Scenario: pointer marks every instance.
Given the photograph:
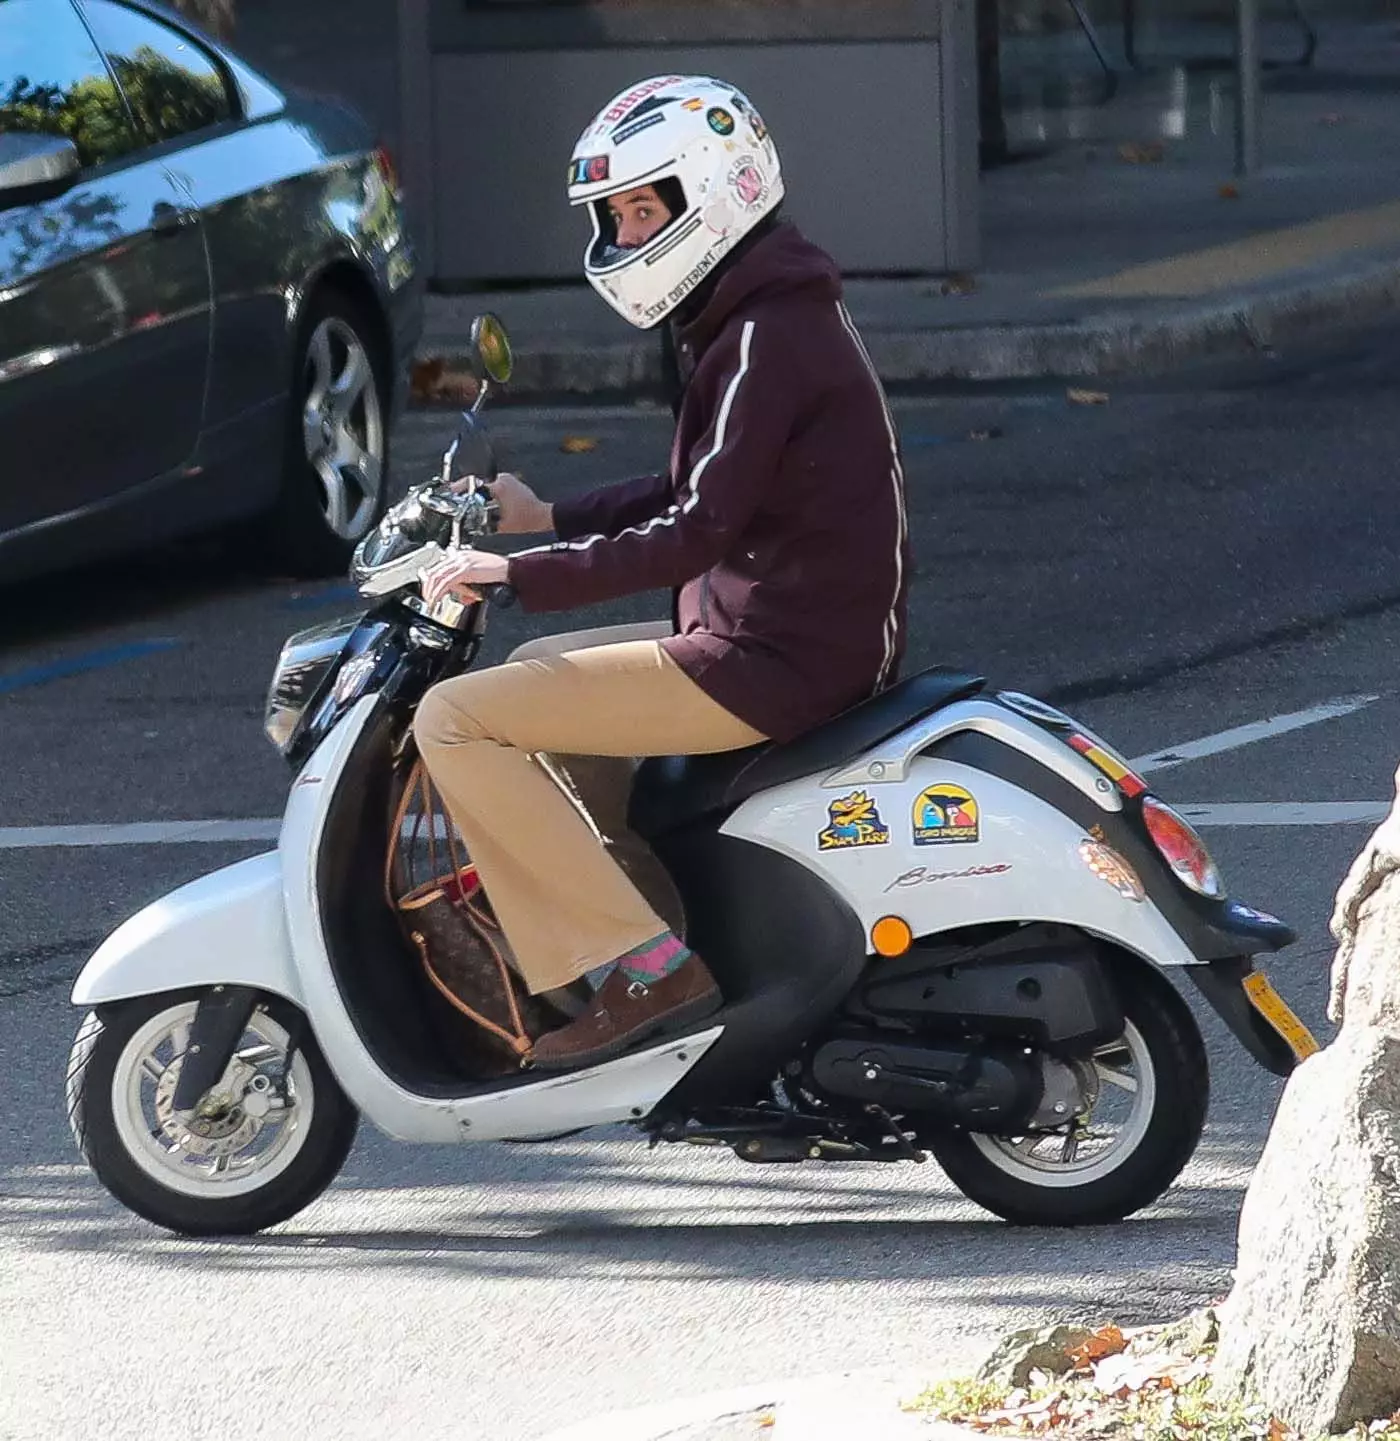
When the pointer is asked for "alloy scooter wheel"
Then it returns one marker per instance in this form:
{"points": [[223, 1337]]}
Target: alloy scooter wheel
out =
{"points": [[265, 1144], [1149, 1090]]}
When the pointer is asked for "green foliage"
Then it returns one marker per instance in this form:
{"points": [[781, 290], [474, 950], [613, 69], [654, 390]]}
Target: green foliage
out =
{"points": [[165, 100]]}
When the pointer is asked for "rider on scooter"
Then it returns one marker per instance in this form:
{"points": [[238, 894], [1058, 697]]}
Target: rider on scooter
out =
{"points": [[780, 526]]}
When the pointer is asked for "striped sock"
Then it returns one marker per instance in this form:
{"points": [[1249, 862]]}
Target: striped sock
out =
{"points": [[661, 956]]}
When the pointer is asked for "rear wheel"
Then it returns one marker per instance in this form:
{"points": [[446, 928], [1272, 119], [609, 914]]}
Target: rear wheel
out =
{"points": [[335, 467], [262, 1145], [1148, 1092]]}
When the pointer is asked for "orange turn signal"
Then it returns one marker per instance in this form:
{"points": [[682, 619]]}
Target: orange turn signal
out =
{"points": [[891, 936]]}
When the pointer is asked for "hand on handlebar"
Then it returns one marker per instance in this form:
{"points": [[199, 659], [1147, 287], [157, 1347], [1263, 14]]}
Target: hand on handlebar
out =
{"points": [[460, 574], [522, 512]]}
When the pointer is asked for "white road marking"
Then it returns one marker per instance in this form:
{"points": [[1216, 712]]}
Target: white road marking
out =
{"points": [[138, 833], [1286, 813], [234, 832], [1236, 736]]}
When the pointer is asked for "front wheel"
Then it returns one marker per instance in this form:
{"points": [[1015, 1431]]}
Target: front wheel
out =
{"points": [[264, 1143], [1149, 1091]]}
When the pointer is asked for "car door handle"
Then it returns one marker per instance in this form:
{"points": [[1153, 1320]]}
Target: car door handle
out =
{"points": [[168, 219]]}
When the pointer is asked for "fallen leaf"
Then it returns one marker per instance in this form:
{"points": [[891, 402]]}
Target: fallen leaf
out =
{"points": [[1135, 154], [578, 444], [767, 1419], [1277, 1430], [960, 284], [1091, 397], [1107, 1340], [1333, 117], [992, 432], [431, 380]]}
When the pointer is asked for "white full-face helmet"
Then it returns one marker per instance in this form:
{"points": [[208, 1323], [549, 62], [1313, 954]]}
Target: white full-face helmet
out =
{"points": [[708, 154]]}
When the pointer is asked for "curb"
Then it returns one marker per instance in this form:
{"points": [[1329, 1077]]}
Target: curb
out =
{"points": [[831, 1407], [1111, 343]]}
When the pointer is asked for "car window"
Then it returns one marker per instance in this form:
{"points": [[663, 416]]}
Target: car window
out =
{"points": [[171, 84], [53, 81]]}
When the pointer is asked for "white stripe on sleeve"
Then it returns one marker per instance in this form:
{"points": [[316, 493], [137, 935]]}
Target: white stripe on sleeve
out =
{"points": [[672, 513]]}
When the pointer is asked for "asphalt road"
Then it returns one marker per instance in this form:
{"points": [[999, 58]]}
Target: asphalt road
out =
{"points": [[1185, 559]]}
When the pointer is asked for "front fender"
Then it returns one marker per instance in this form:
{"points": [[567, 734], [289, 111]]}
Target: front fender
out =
{"points": [[225, 928]]}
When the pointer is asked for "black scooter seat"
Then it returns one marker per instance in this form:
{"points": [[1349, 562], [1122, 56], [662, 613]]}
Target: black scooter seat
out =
{"points": [[672, 792]]}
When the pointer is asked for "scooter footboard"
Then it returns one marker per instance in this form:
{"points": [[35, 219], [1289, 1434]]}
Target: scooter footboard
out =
{"points": [[227, 928]]}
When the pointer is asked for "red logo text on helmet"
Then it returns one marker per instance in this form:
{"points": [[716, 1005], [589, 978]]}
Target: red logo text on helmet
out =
{"points": [[623, 106]]}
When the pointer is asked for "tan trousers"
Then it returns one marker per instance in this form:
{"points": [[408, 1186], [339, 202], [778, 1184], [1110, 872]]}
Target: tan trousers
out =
{"points": [[579, 708]]}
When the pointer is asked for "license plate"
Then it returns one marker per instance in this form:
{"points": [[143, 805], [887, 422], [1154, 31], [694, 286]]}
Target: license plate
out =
{"points": [[1276, 1011]]}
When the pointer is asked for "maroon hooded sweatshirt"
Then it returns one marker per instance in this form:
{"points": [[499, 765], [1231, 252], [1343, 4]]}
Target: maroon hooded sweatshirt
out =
{"points": [[781, 521]]}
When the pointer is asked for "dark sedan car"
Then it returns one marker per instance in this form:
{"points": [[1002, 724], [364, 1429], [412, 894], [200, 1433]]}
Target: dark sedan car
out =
{"points": [[208, 296]]}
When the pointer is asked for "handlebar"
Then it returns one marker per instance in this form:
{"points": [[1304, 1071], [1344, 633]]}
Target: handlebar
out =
{"points": [[431, 521]]}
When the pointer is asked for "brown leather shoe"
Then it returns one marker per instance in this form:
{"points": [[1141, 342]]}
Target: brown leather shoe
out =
{"points": [[625, 1013]]}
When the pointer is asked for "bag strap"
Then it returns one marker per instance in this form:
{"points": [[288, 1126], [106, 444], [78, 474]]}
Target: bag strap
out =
{"points": [[518, 1038], [419, 787]]}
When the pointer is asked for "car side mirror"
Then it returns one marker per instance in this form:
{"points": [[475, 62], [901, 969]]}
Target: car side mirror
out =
{"points": [[35, 167]]}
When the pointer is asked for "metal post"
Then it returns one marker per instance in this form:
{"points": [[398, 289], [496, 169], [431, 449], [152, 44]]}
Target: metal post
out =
{"points": [[1247, 86]]}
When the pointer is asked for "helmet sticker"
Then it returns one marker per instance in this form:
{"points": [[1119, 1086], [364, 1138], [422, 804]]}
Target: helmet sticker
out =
{"points": [[623, 106], [694, 103], [747, 182], [677, 293], [719, 216], [760, 130], [721, 121], [588, 169], [635, 127]]}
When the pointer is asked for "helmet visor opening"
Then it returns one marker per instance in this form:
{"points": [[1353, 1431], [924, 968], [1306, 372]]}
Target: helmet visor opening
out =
{"points": [[607, 252]]}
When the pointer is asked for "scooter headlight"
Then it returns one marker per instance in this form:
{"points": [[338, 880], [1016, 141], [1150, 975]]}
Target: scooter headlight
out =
{"points": [[1182, 849], [303, 671]]}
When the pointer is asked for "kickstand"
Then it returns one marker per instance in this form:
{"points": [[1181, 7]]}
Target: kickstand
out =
{"points": [[902, 1142]]}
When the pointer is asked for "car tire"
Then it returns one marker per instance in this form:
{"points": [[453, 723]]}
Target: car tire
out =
{"points": [[335, 468]]}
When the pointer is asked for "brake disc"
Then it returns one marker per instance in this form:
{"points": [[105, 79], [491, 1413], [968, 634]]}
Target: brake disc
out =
{"points": [[223, 1133]]}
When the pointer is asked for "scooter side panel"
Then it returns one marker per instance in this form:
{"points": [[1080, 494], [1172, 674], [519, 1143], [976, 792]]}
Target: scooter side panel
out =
{"points": [[951, 846], [226, 928], [623, 1090]]}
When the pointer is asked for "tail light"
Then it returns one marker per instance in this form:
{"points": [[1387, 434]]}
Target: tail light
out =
{"points": [[1182, 849]]}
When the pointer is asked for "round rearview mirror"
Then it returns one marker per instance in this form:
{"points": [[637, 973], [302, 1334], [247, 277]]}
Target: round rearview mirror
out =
{"points": [[492, 347]]}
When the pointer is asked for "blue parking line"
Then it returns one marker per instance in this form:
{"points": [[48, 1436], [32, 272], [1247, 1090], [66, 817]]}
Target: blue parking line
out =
{"points": [[333, 595], [80, 664]]}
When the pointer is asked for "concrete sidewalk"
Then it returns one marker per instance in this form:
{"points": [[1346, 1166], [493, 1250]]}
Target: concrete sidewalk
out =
{"points": [[1102, 257], [865, 1404]]}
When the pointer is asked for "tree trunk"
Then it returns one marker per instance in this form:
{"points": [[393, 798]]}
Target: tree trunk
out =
{"points": [[1312, 1327]]}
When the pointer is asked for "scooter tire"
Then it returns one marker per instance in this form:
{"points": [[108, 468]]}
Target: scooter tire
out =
{"points": [[98, 1048], [1182, 1095]]}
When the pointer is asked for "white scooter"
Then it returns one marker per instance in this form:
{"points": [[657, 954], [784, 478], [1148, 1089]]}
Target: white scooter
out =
{"points": [[941, 924]]}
